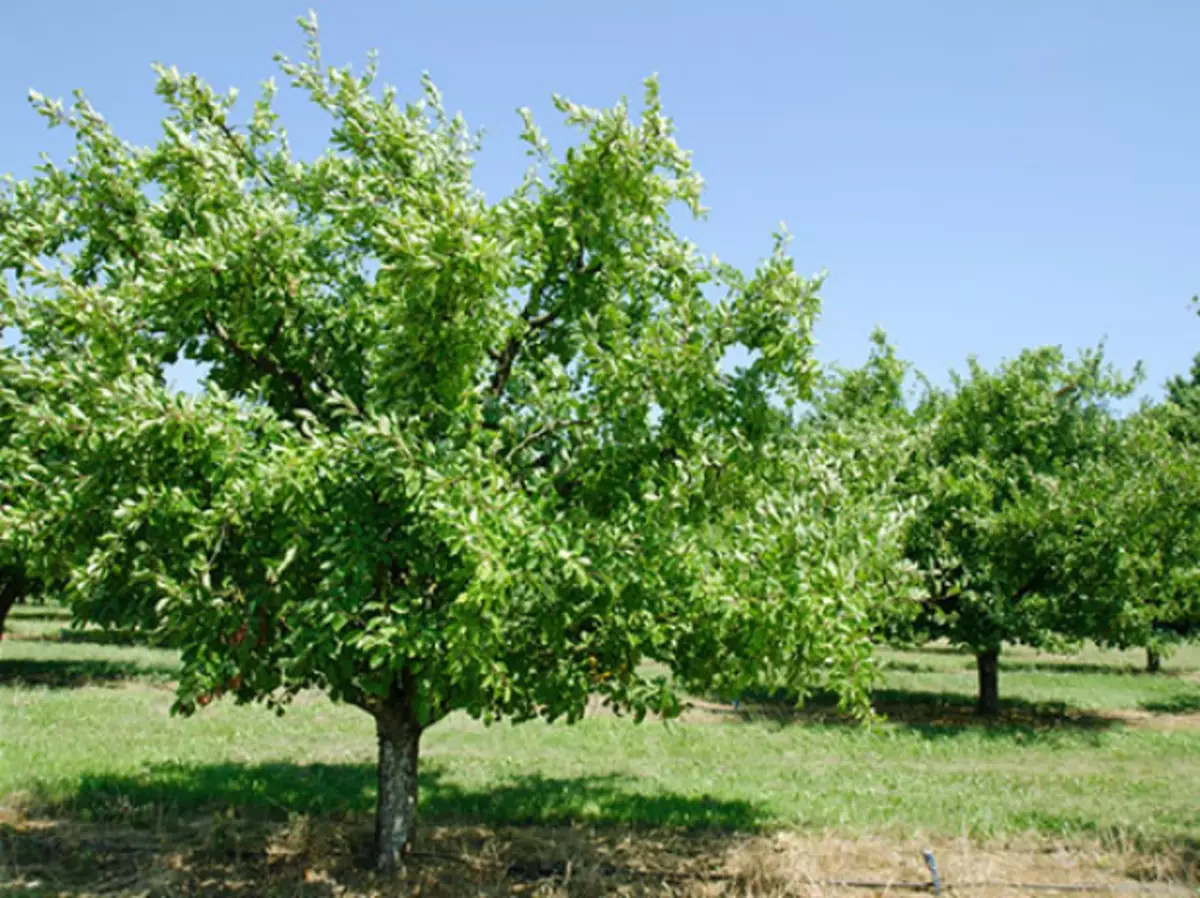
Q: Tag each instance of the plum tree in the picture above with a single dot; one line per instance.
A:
(450, 454)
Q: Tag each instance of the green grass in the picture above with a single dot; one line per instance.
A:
(72, 744)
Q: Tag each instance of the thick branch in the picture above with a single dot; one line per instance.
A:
(512, 348)
(265, 363)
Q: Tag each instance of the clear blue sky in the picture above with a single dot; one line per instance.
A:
(975, 177)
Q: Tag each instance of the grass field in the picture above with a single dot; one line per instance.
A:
(1091, 775)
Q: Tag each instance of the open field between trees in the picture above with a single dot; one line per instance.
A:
(1092, 774)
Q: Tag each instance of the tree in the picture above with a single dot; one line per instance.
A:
(1007, 446)
(451, 454)
(1138, 550)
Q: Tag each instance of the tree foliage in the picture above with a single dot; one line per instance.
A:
(1138, 557)
(863, 417)
(451, 454)
(1001, 472)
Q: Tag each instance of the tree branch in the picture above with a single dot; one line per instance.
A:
(1028, 587)
(262, 362)
(543, 431)
(251, 160)
(505, 357)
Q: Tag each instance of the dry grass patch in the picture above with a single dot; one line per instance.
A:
(311, 856)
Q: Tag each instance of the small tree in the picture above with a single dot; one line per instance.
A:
(452, 455)
(1006, 447)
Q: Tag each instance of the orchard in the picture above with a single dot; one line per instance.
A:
(511, 459)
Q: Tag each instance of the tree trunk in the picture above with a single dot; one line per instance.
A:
(1153, 660)
(12, 587)
(396, 806)
(988, 663)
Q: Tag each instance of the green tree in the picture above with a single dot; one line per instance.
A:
(451, 454)
(1005, 450)
(1133, 538)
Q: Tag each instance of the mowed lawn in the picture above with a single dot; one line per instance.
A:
(1089, 750)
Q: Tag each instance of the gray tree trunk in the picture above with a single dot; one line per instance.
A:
(1153, 660)
(396, 806)
(988, 664)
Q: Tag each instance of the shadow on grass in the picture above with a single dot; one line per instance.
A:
(36, 613)
(1015, 664)
(1076, 667)
(95, 636)
(1186, 703)
(306, 829)
(65, 673)
(932, 714)
(90, 636)
(276, 791)
(901, 666)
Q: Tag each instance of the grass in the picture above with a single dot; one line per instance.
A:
(115, 753)
(1089, 752)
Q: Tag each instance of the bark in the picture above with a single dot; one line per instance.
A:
(988, 664)
(396, 806)
(1153, 660)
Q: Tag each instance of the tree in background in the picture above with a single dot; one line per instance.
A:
(451, 455)
(1005, 448)
(1131, 539)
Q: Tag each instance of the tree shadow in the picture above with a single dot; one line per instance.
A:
(89, 636)
(932, 714)
(1010, 663)
(97, 636)
(275, 791)
(66, 673)
(27, 613)
(1077, 667)
(901, 666)
(1185, 703)
(306, 829)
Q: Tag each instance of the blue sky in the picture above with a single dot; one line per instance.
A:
(975, 177)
